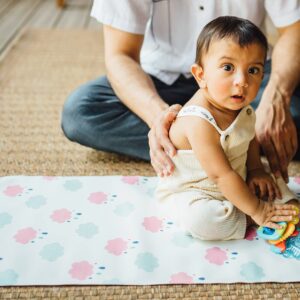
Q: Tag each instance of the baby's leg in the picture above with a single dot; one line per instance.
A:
(210, 219)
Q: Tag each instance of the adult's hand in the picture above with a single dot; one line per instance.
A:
(276, 131)
(161, 148)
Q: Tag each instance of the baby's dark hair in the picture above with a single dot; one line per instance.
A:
(242, 31)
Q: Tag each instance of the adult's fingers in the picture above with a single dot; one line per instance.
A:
(160, 161)
(162, 130)
(159, 143)
(271, 155)
(252, 187)
(271, 191)
(154, 158)
(284, 151)
(262, 190)
(279, 138)
(290, 135)
(162, 137)
(289, 149)
(282, 163)
(294, 142)
(291, 146)
(276, 191)
(156, 165)
(284, 138)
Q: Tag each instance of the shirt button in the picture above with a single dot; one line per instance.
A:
(249, 111)
(201, 7)
(226, 137)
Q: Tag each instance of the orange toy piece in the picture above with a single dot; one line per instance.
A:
(281, 247)
(288, 232)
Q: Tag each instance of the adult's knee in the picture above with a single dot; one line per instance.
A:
(72, 113)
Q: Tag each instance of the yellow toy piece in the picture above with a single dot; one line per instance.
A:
(288, 232)
(296, 218)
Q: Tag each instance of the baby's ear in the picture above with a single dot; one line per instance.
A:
(197, 72)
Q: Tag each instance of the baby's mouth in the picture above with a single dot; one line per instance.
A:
(237, 96)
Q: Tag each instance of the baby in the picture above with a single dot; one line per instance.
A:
(214, 133)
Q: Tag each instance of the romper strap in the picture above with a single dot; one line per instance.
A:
(199, 111)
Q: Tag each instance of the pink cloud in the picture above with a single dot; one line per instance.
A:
(97, 197)
(61, 215)
(13, 190)
(216, 256)
(152, 224)
(130, 179)
(24, 236)
(81, 270)
(181, 278)
(116, 246)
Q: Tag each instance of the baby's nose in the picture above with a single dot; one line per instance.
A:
(240, 80)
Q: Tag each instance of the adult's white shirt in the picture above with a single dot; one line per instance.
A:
(171, 27)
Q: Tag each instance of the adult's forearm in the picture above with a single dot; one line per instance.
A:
(286, 62)
(134, 87)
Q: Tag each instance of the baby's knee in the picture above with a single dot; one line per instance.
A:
(214, 220)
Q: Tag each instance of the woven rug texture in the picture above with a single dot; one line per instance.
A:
(37, 72)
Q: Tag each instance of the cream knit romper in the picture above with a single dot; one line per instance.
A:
(191, 199)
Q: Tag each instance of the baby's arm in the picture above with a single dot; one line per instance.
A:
(205, 142)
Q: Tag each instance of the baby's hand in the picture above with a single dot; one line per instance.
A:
(269, 213)
(262, 185)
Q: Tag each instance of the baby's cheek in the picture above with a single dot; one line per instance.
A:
(220, 90)
(253, 89)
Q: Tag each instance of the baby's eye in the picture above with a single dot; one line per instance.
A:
(254, 70)
(228, 67)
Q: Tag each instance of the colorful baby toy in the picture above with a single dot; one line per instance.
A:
(278, 237)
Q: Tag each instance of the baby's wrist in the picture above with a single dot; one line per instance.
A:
(256, 209)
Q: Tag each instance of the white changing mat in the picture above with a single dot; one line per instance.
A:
(107, 230)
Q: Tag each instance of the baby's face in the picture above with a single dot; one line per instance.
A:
(233, 74)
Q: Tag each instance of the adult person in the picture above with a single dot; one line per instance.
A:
(149, 48)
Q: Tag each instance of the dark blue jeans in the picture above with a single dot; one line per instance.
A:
(95, 117)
